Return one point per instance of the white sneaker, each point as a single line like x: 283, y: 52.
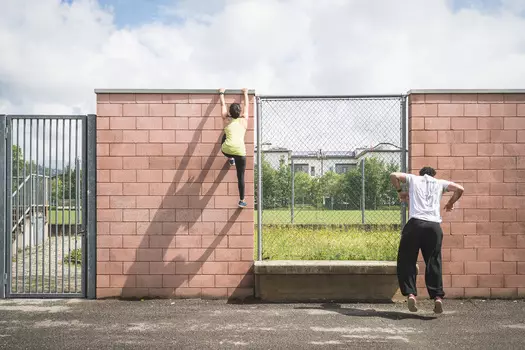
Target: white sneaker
x: 438, y: 306
x: 411, y: 301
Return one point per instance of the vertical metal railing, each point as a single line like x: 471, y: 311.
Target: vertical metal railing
x: 3, y: 229
x: 48, y: 205
x: 404, y: 151
x: 259, y: 179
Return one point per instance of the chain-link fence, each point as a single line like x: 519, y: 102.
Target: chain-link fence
x: 324, y: 172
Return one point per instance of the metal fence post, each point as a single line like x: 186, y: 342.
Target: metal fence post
x: 292, y: 213
x: 3, y: 213
x: 403, y: 152
x: 259, y: 180
x: 91, y: 202
x: 363, y: 202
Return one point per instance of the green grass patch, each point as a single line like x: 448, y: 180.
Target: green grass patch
x: 312, y: 216
x: 75, y: 257
x: 327, y: 244
x: 65, y: 217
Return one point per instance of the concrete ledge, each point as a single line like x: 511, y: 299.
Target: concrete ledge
x: 323, y: 267
x: 319, y: 281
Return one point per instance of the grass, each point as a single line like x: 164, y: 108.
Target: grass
x: 312, y: 216
x: 324, y: 244
x: 75, y: 257
x: 63, y: 217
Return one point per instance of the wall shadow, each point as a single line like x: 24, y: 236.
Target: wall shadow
x: 190, y: 266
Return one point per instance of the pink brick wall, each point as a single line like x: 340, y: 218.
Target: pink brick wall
x: 477, y: 140
x: 168, y: 222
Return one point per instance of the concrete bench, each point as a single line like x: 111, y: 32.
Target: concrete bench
x: 326, y: 280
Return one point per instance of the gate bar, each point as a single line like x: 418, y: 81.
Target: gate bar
x: 49, y: 184
x: 3, y: 212
x: 77, y: 202
x: 90, y: 213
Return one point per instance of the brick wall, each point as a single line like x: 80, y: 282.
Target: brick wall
x: 168, y: 222
x: 477, y: 140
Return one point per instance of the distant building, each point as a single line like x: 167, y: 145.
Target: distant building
x: 318, y: 163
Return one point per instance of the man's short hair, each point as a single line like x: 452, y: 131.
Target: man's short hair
x: 427, y: 171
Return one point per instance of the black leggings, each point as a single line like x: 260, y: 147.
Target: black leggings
x: 240, y: 165
x: 427, y: 236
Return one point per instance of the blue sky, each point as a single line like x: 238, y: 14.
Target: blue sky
x: 483, y: 5
x: 136, y: 12
x: 132, y: 13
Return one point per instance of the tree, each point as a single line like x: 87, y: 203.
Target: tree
x: 331, y: 184
x: 344, y: 190
x: 303, y: 188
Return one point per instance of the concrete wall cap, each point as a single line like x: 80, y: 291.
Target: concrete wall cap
x: 313, y: 267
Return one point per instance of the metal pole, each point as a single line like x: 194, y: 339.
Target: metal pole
x: 49, y: 200
x: 9, y: 208
x: 17, y: 222
x: 63, y: 198
x: 363, y: 191
x: 31, y: 203
x: 37, y: 204
x: 259, y: 179
x: 77, y: 202
x: 293, y: 191
x: 3, y: 212
x: 69, y: 211
x: 403, y: 152
x: 90, y: 215
x: 56, y: 206
x: 25, y: 201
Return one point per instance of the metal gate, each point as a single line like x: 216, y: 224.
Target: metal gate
x: 48, y: 184
x: 322, y: 171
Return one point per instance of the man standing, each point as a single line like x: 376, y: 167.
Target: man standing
x: 423, y: 231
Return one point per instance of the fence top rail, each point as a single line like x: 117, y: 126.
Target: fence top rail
x: 42, y: 116
x: 329, y: 97
x: 171, y: 91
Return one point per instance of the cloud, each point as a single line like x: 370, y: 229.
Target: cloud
x: 55, y: 53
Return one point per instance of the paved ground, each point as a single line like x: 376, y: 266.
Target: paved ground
x: 195, y: 324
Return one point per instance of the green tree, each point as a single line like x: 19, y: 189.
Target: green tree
x: 331, y: 184
x: 283, y: 186
x: 303, y: 188
x: 349, y: 196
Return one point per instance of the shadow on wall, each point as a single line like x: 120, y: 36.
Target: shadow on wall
x: 179, y: 274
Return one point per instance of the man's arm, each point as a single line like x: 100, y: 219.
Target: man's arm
x: 246, y: 103
x: 396, y: 179
x: 224, y: 111
x: 458, y: 192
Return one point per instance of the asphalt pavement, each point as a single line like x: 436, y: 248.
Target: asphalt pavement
x: 213, y: 324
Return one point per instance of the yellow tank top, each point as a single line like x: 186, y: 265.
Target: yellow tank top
x: 234, y: 143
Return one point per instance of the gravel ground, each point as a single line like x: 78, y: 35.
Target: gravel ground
x: 43, y: 265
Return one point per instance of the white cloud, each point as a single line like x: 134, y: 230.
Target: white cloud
x: 53, y: 54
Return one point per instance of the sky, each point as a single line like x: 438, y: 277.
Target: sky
x: 56, y: 52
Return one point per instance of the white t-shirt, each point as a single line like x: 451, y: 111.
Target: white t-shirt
x: 425, y: 194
